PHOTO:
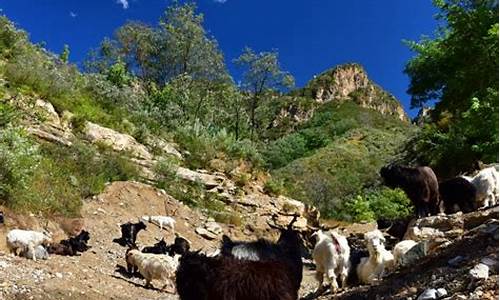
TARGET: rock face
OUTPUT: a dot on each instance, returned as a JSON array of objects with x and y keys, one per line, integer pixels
[
  {"x": 118, "y": 141},
  {"x": 350, "y": 82}
]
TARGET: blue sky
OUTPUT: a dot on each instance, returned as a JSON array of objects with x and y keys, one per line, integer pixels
[{"x": 310, "y": 35}]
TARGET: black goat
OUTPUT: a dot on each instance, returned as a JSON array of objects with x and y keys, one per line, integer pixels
[
  {"x": 129, "y": 233},
  {"x": 395, "y": 228},
  {"x": 420, "y": 185},
  {"x": 227, "y": 278},
  {"x": 459, "y": 192},
  {"x": 180, "y": 246},
  {"x": 71, "y": 246},
  {"x": 287, "y": 250},
  {"x": 158, "y": 248}
]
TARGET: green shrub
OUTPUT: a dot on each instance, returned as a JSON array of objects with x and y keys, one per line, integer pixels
[
  {"x": 19, "y": 159},
  {"x": 358, "y": 209},
  {"x": 390, "y": 204},
  {"x": 274, "y": 187}
]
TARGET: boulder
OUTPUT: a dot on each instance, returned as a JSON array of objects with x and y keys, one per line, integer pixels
[
  {"x": 117, "y": 141},
  {"x": 48, "y": 111},
  {"x": 208, "y": 180}
]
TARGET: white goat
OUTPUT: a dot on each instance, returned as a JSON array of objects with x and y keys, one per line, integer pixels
[
  {"x": 162, "y": 221},
  {"x": 372, "y": 268},
  {"x": 486, "y": 182},
  {"x": 331, "y": 255},
  {"x": 40, "y": 253},
  {"x": 400, "y": 250},
  {"x": 154, "y": 266},
  {"x": 25, "y": 241}
]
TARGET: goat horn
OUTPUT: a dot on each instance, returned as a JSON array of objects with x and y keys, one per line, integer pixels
[{"x": 290, "y": 226}]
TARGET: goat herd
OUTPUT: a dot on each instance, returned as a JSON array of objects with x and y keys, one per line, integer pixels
[{"x": 265, "y": 270}]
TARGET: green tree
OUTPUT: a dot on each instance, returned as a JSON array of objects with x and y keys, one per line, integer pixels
[
  {"x": 461, "y": 62},
  {"x": 179, "y": 45},
  {"x": 186, "y": 46},
  {"x": 262, "y": 73},
  {"x": 65, "y": 54},
  {"x": 459, "y": 69}
]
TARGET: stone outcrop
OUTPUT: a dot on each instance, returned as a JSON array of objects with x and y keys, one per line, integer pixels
[
  {"x": 117, "y": 141},
  {"x": 350, "y": 82}
]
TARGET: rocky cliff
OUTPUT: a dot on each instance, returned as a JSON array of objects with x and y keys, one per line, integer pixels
[{"x": 351, "y": 82}]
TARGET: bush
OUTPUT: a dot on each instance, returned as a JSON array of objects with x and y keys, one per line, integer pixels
[
  {"x": 274, "y": 187},
  {"x": 19, "y": 159},
  {"x": 373, "y": 205},
  {"x": 207, "y": 143}
]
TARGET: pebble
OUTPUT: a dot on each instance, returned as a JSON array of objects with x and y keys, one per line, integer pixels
[
  {"x": 59, "y": 275},
  {"x": 480, "y": 271},
  {"x": 441, "y": 292},
  {"x": 428, "y": 294}
]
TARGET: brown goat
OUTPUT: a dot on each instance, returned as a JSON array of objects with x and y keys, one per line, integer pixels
[{"x": 420, "y": 185}]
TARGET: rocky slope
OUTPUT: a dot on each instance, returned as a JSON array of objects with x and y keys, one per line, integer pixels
[{"x": 466, "y": 241}]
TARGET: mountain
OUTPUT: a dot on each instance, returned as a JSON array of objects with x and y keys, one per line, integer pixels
[{"x": 350, "y": 82}]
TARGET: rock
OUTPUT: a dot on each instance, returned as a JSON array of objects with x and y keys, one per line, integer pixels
[
  {"x": 49, "y": 112},
  {"x": 291, "y": 206},
  {"x": 492, "y": 263},
  {"x": 456, "y": 261},
  {"x": 480, "y": 271},
  {"x": 213, "y": 227},
  {"x": 414, "y": 254},
  {"x": 205, "y": 233},
  {"x": 117, "y": 141},
  {"x": 59, "y": 275},
  {"x": 208, "y": 180},
  {"x": 428, "y": 294},
  {"x": 48, "y": 136},
  {"x": 441, "y": 292},
  {"x": 164, "y": 146}
]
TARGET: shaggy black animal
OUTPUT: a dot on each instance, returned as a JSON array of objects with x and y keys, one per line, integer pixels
[
  {"x": 129, "y": 233},
  {"x": 420, "y": 185},
  {"x": 180, "y": 246},
  {"x": 226, "y": 278},
  {"x": 459, "y": 192},
  {"x": 2, "y": 220},
  {"x": 287, "y": 250},
  {"x": 158, "y": 248},
  {"x": 395, "y": 228},
  {"x": 71, "y": 246}
]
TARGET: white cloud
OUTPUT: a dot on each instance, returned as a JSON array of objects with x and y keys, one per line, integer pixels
[
  {"x": 124, "y": 3},
  {"x": 220, "y": 1},
  {"x": 73, "y": 14}
]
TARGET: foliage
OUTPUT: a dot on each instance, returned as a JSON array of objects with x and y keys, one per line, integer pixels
[
  {"x": 206, "y": 143},
  {"x": 274, "y": 187},
  {"x": 327, "y": 176},
  {"x": 374, "y": 205},
  {"x": 89, "y": 169},
  {"x": 329, "y": 122},
  {"x": 178, "y": 45},
  {"x": 456, "y": 148},
  {"x": 462, "y": 61},
  {"x": 459, "y": 69},
  {"x": 262, "y": 73},
  {"x": 19, "y": 158}
]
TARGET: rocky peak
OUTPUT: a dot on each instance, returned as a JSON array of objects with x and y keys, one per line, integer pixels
[{"x": 351, "y": 82}]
